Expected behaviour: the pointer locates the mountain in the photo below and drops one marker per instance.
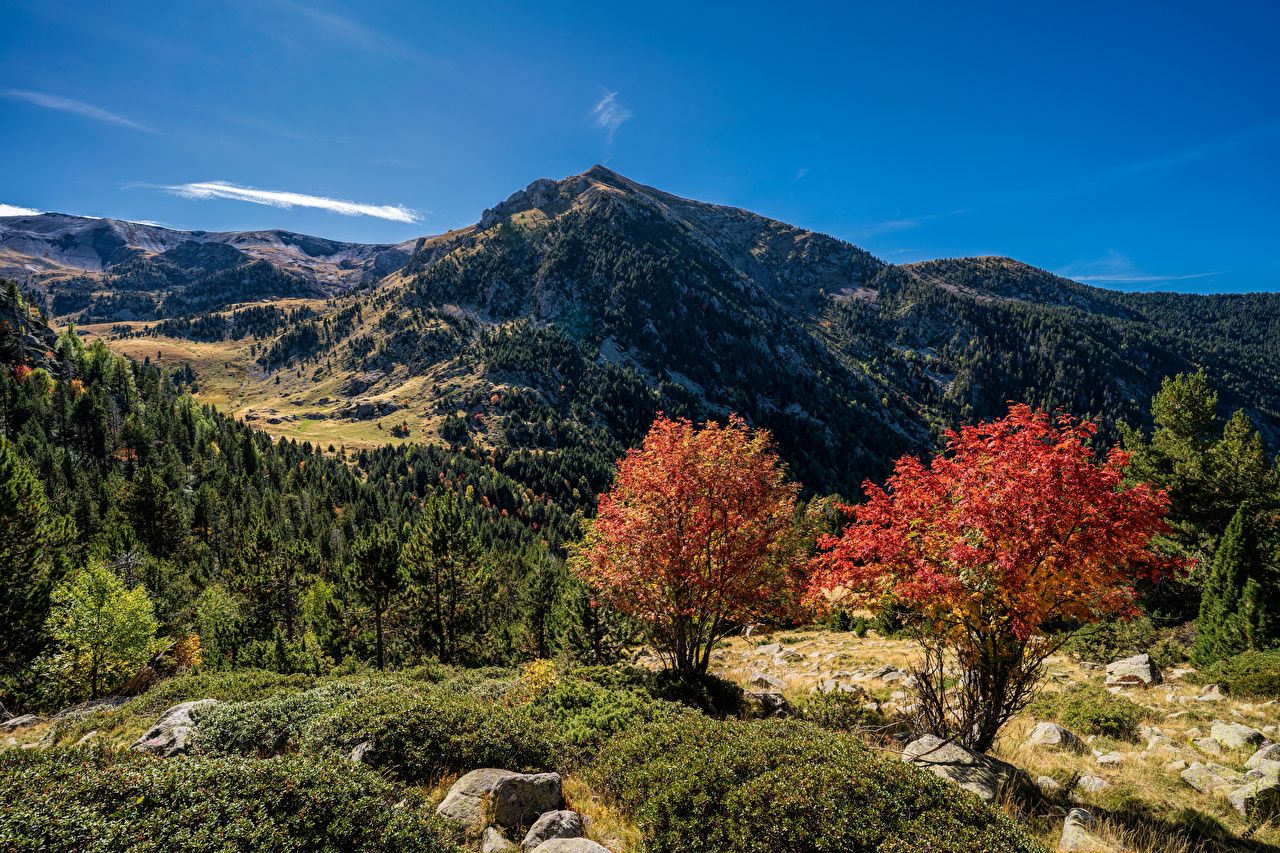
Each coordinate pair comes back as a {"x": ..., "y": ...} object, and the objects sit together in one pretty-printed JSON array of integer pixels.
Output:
[
  {"x": 110, "y": 269},
  {"x": 547, "y": 335}
]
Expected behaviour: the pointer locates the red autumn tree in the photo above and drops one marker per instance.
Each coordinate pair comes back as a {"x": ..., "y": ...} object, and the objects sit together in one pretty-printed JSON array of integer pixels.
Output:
[
  {"x": 1015, "y": 531},
  {"x": 695, "y": 537}
]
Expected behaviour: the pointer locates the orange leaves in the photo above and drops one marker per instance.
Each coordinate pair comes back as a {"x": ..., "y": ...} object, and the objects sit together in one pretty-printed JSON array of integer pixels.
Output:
[
  {"x": 696, "y": 525},
  {"x": 1015, "y": 520}
]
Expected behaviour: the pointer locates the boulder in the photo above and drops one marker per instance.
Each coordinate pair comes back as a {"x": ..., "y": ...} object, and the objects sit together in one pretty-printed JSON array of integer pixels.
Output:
[
  {"x": 979, "y": 774},
  {"x": 767, "y": 703},
  {"x": 1266, "y": 755},
  {"x": 570, "y": 845},
  {"x": 493, "y": 841},
  {"x": 1236, "y": 735},
  {"x": 12, "y": 725},
  {"x": 1208, "y": 745},
  {"x": 362, "y": 753},
  {"x": 1092, "y": 784},
  {"x": 1054, "y": 736},
  {"x": 1048, "y": 785},
  {"x": 1078, "y": 834},
  {"x": 172, "y": 733},
  {"x": 1111, "y": 759},
  {"x": 1136, "y": 671},
  {"x": 557, "y": 824},
  {"x": 1210, "y": 693},
  {"x": 514, "y": 798},
  {"x": 1207, "y": 778},
  {"x": 789, "y": 655},
  {"x": 769, "y": 649},
  {"x": 1259, "y": 799},
  {"x": 766, "y": 682}
]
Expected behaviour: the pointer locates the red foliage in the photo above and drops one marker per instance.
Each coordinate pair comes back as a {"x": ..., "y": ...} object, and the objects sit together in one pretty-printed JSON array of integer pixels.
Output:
[
  {"x": 695, "y": 535},
  {"x": 1015, "y": 525}
]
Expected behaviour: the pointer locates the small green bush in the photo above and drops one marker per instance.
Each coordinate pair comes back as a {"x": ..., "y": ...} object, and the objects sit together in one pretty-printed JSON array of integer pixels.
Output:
[
  {"x": 1252, "y": 674},
  {"x": 845, "y": 712},
  {"x": 79, "y": 799},
  {"x": 418, "y": 737},
  {"x": 270, "y": 726},
  {"x": 1103, "y": 642},
  {"x": 586, "y": 714},
  {"x": 708, "y": 693},
  {"x": 696, "y": 785},
  {"x": 1090, "y": 710}
]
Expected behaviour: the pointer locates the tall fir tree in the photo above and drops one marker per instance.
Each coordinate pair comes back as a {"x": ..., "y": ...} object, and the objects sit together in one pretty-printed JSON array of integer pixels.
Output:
[{"x": 1237, "y": 602}]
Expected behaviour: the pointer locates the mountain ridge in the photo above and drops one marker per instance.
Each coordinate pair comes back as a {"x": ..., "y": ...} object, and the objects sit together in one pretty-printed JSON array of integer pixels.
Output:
[{"x": 576, "y": 308}]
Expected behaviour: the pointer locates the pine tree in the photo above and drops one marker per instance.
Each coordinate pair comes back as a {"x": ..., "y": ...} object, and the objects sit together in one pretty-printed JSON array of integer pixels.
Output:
[
  {"x": 1235, "y": 604},
  {"x": 443, "y": 559},
  {"x": 377, "y": 577},
  {"x": 30, "y": 560}
]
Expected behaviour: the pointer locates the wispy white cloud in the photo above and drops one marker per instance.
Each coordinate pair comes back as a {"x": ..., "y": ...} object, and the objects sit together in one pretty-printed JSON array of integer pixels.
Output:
[
  {"x": 800, "y": 173},
  {"x": 288, "y": 199},
  {"x": 1116, "y": 268},
  {"x": 80, "y": 108},
  {"x": 609, "y": 114},
  {"x": 350, "y": 32},
  {"x": 14, "y": 210}
]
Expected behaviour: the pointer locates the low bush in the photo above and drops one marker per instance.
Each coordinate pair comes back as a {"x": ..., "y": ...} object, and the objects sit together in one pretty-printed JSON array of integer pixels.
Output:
[
  {"x": 696, "y": 785},
  {"x": 1103, "y": 642},
  {"x": 78, "y": 799},
  {"x": 1088, "y": 709},
  {"x": 714, "y": 696},
  {"x": 586, "y": 714},
  {"x": 420, "y": 736},
  {"x": 845, "y": 712},
  {"x": 1252, "y": 675},
  {"x": 270, "y": 726}
]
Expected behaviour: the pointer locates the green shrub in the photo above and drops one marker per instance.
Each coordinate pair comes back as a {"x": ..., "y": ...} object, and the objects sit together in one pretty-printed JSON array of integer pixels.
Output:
[
  {"x": 1089, "y": 709},
  {"x": 696, "y": 785},
  {"x": 270, "y": 726},
  {"x": 78, "y": 799},
  {"x": 586, "y": 714},
  {"x": 418, "y": 737},
  {"x": 710, "y": 694},
  {"x": 1253, "y": 674},
  {"x": 231, "y": 686},
  {"x": 839, "y": 711},
  {"x": 1103, "y": 642}
]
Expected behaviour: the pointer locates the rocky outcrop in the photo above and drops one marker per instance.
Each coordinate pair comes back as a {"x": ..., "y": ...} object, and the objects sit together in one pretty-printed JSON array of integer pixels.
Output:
[
  {"x": 172, "y": 733},
  {"x": 513, "y": 798},
  {"x": 1136, "y": 671},
  {"x": 1236, "y": 735},
  {"x": 25, "y": 721},
  {"x": 987, "y": 777}
]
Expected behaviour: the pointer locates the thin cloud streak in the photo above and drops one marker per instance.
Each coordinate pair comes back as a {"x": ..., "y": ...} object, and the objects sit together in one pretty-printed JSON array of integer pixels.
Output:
[
  {"x": 610, "y": 114},
  {"x": 80, "y": 108},
  {"x": 287, "y": 199},
  {"x": 1117, "y": 268},
  {"x": 354, "y": 34}
]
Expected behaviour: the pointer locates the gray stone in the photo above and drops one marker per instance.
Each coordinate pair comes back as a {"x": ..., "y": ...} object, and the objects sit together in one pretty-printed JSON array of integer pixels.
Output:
[
  {"x": 12, "y": 725},
  {"x": 1092, "y": 784},
  {"x": 514, "y": 798},
  {"x": 766, "y": 682},
  {"x": 570, "y": 845},
  {"x": 789, "y": 655},
  {"x": 1207, "y": 778},
  {"x": 172, "y": 733},
  {"x": 1208, "y": 745},
  {"x": 493, "y": 841},
  {"x": 362, "y": 753},
  {"x": 769, "y": 649},
  {"x": 1210, "y": 693},
  {"x": 1111, "y": 759},
  {"x": 979, "y": 774},
  {"x": 767, "y": 703},
  {"x": 557, "y": 824},
  {"x": 1259, "y": 799},
  {"x": 1267, "y": 754},
  {"x": 1078, "y": 834},
  {"x": 1136, "y": 671},
  {"x": 1236, "y": 735},
  {"x": 1054, "y": 736},
  {"x": 1048, "y": 784}
]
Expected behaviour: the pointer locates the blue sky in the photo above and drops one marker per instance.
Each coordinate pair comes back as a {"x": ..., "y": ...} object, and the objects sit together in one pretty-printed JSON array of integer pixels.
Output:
[{"x": 1133, "y": 145}]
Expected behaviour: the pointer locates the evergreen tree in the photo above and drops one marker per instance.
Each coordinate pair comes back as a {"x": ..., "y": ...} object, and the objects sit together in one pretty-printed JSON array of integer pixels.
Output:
[
  {"x": 30, "y": 560},
  {"x": 377, "y": 578},
  {"x": 444, "y": 562},
  {"x": 1235, "y": 605}
]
